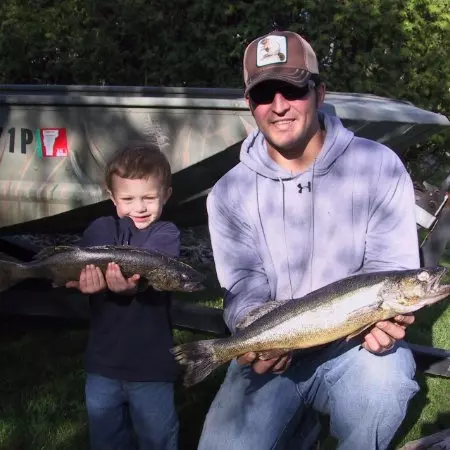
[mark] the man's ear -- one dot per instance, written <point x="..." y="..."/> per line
<point x="168" y="194"/>
<point x="249" y="103"/>
<point x="320" y="94"/>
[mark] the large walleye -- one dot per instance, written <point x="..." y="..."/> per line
<point x="64" y="263"/>
<point x="341" y="309"/>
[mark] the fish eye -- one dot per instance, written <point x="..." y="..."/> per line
<point x="184" y="276"/>
<point x="423" y="276"/>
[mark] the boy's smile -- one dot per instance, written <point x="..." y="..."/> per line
<point x="142" y="199"/>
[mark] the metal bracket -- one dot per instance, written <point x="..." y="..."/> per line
<point x="429" y="203"/>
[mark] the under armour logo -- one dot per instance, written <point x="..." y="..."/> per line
<point x="300" y="187"/>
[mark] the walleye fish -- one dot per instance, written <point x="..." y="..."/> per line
<point x="61" y="264"/>
<point x="341" y="309"/>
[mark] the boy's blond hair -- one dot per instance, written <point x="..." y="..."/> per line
<point x="139" y="160"/>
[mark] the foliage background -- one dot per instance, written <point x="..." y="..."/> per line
<point x="394" y="48"/>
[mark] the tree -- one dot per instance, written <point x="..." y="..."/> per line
<point x="394" y="48"/>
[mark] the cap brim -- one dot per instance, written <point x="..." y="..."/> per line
<point x="296" y="77"/>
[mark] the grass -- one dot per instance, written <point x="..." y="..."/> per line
<point x="41" y="386"/>
<point x="42" y="383"/>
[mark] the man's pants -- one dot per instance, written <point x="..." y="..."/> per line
<point x="365" y="395"/>
<point x="116" y="407"/>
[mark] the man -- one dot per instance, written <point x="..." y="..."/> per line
<point x="308" y="204"/>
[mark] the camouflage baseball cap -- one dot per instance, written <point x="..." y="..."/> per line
<point x="280" y="55"/>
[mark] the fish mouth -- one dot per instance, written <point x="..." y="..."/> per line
<point x="436" y="290"/>
<point x="193" y="286"/>
<point x="193" y="281"/>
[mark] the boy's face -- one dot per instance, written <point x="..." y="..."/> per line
<point x="141" y="200"/>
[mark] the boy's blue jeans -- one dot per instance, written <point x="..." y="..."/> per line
<point x="366" y="396"/>
<point x="116" y="407"/>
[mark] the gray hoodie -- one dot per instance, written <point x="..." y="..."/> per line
<point x="277" y="236"/>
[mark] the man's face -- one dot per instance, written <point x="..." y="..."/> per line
<point x="286" y="114"/>
<point x="141" y="200"/>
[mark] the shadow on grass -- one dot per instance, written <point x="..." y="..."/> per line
<point x="442" y="423"/>
<point x="193" y="404"/>
<point x="41" y="384"/>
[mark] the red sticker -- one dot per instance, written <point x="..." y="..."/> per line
<point x="54" y="142"/>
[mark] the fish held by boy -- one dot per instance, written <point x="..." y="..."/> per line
<point x="61" y="264"/>
<point x="341" y="309"/>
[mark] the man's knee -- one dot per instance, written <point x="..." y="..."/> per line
<point x="370" y="394"/>
<point x="388" y="376"/>
<point x="395" y="368"/>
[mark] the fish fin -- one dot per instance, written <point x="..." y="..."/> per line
<point x="198" y="357"/>
<point x="274" y="353"/>
<point x="258" y="312"/>
<point x="119" y="247"/>
<point x="358" y="331"/>
<point x="9" y="274"/>
<point x="110" y="247"/>
<point x="50" y="251"/>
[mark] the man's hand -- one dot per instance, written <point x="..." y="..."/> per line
<point x="275" y="365"/>
<point x="383" y="335"/>
<point x="118" y="283"/>
<point x="91" y="280"/>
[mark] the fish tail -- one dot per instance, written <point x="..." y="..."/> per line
<point x="199" y="358"/>
<point x="10" y="274"/>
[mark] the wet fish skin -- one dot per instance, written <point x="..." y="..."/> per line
<point x="341" y="309"/>
<point x="61" y="264"/>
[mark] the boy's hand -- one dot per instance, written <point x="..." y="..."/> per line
<point x="91" y="280"/>
<point x="118" y="283"/>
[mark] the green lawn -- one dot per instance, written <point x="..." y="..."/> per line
<point x="42" y="382"/>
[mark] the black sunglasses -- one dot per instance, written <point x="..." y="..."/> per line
<point x="264" y="93"/>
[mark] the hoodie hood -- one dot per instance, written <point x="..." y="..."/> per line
<point x="255" y="156"/>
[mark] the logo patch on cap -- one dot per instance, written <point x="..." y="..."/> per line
<point x="271" y="50"/>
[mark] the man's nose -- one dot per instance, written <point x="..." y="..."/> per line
<point x="279" y="103"/>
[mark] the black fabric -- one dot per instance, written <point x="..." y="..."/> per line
<point x="130" y="336"/>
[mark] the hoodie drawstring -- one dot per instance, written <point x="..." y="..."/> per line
<point x="284" y="226"/>
<point x="311" y="279"/>
<point x="285" y="237"/>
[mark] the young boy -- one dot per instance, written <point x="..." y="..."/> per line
<point x="130" y="371"/>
